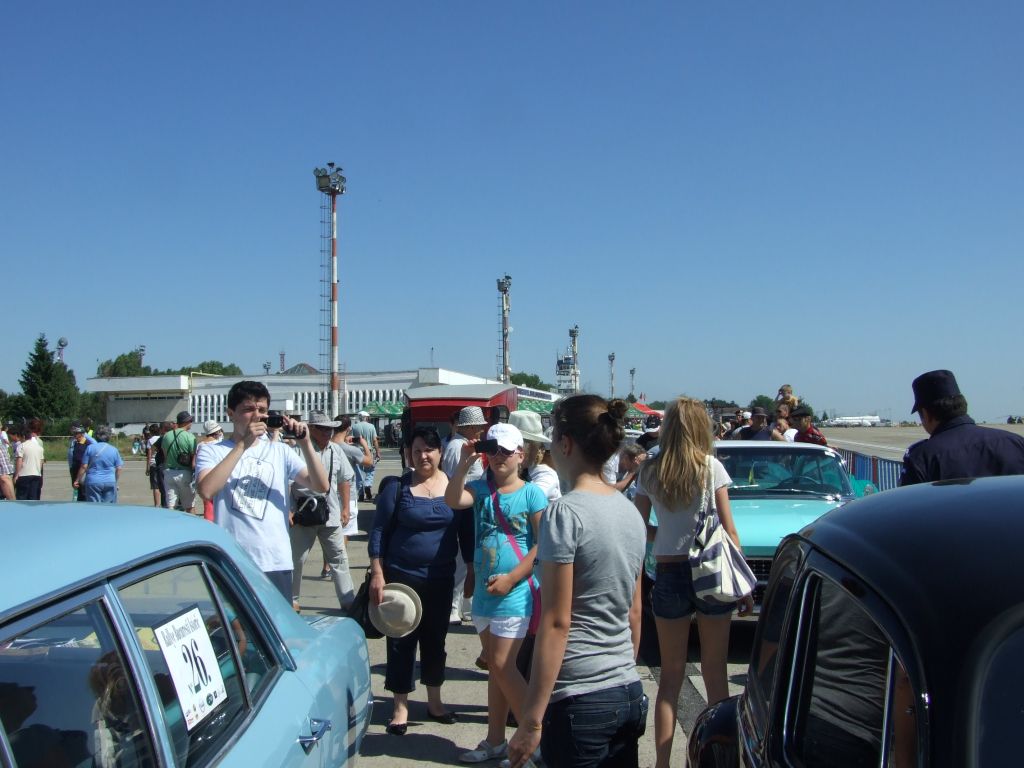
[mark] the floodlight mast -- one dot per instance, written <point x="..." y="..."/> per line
<point x="331" y="183"/>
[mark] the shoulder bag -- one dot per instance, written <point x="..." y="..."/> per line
<point x="312" y="510"/>
<point x="719" y="571"/>
<point x="507" y="529"/>
<point x="184" y="459"/>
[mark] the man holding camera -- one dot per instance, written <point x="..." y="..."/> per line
<point x="247" y="478"/>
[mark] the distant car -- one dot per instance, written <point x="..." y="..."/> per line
<point x="778" y="488"/>
<point x="892" y="635"/>
<point x="134" y="636"/>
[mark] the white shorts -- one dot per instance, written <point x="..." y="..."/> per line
<point x="514" y="627"/>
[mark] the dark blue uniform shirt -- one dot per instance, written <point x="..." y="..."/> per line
<point x="960" y="448"/>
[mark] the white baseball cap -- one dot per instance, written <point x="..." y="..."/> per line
<point x="508" y="437"/>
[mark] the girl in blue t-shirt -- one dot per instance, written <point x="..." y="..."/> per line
<point x="504" y="586"/>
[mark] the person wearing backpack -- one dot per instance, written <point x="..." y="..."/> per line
<point x="179" y="447"/>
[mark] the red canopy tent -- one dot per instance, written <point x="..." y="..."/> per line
<point x="644" y="409"/>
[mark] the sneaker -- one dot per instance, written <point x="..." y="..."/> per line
<point x="531" y="762"/>
<point x="484" y="752"/>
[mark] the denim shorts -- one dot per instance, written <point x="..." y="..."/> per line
<point x="673" y="596"/>
<point x="602" y="728"/>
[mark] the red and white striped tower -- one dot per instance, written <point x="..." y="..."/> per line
<point x="331" y="183"/>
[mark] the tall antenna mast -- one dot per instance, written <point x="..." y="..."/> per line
<point x="331" y="184"/>
<point x="504" y="359"/>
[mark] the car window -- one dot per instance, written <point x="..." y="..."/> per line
<point x="784" y="472"/>
<point x="194" y="651"/>
<point x="67" y="697"/>
<point x="769" y="632"/>
<point x="841" y="702"/>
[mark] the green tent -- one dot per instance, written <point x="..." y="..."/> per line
<point x="388" y="408"/>
<point x="537" y="406"/>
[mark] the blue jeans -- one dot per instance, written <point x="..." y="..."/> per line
<point x="364" y="477"/>
<point x="596" y="729"/>
<point x="104" y="492"/>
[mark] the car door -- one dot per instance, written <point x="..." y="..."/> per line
<point x="841" y="694"/>
<point x="224" y="692"/>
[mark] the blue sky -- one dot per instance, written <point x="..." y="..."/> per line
<point x="729" y="196"/>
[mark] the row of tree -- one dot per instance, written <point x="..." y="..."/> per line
<point x="50" y="392"/>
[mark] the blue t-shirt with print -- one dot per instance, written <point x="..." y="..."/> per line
<point x="493" y="552"/>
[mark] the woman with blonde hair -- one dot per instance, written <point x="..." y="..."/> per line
<point x="674" y="483"/>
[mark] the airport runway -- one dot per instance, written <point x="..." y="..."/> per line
<point x="888" y="442"/>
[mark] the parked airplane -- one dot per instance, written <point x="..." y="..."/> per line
<point x="853" y="421"/>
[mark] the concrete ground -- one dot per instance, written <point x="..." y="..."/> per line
<point x="464" y="692"/>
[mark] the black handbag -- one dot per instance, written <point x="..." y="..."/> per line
<point x="359" y="611"/>
<point x="311" y="511"/>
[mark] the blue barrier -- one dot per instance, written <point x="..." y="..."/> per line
<point x="884" y="473"/>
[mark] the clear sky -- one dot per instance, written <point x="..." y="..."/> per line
<point x="727" y="195"/>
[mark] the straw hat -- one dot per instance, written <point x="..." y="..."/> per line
<point x="400" y="611"/>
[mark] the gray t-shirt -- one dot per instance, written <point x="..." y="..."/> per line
<point x="604" y="537"/>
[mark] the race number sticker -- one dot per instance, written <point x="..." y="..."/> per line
<point x="195" y="672"/>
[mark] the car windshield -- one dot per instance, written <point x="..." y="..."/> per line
<point x="784" y="472"/>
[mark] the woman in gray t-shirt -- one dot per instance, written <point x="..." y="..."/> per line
<point x="585" y="703"/>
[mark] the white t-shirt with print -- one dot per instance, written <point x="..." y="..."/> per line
<point x="253" y="504"/>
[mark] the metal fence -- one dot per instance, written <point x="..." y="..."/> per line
<point x="884" y="473"/>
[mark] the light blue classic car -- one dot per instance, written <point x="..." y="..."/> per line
<point x="138" y="636"/>
<point x="777" y="489"/>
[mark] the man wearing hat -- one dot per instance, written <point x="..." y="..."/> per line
<point x="179" y="447"/>
<point x="957" y="447"/>
<point x="758" y="427"/>
<point x="469" y="425"/>
<point x="364" y="429"/>
<point x="803" y="420"/>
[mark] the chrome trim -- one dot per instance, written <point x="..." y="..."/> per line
<point x="318" y="729"/>
<point x="794" y="669"/>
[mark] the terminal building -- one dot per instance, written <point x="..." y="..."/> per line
<point x="136" y="400"/>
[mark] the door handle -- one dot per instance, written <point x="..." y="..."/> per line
<point x="319" y="728"/>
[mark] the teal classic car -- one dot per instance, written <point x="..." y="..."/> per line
<point x="779" y="488"/>
<point x="139" y="636"/>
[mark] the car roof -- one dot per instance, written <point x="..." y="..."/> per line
<point x="762" y="445"/>
<point x="50" y="547"/>
<point x="943" y="557"/>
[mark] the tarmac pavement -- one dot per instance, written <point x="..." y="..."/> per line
<point x="465" y="690"/>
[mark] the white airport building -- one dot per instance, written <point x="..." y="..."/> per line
<point x="137" y="400"/>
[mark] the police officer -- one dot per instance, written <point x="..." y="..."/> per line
<point x="957" y="447"/>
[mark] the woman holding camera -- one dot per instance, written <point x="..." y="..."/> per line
<point x="585" y="703"/>
<point x="415" y="539"/>
<point x="506" y="512"/>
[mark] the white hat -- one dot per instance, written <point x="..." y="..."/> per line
<point x="399" y="612"/>
<point x="364" y="414"/>
<point x="529" y="423"/>
<point x="746" y="414"/>
<point x="211" y="427"/>
<point x="508" y="436"/>
<point x="320" y="419"/>
<point x="471" y="416"/>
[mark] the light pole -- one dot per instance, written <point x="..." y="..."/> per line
<point x="611" y="375"/>
<point x="504" y="285"/>
<point x="330" y="182"/>
<point x="632" y="382"/>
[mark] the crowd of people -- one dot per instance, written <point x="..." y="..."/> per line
<point x="549" y="540"/>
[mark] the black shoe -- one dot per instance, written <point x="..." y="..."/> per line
<point x="398" y="729"/>
<point x="445" y="718"/>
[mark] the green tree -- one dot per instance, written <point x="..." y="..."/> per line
<point x="824" y="415"/>
<point x="48" y="388"/>
<point x="762" y="401"/>
<point x="128" y="364"/>
<point x="658" y="405"/>
<point x="213" y="367"/>
<point x="531" y="380"/>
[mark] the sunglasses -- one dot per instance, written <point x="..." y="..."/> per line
<point x="500" y="451"/>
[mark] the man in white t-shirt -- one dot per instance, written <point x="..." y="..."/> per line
<point x="247" y="477"/>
